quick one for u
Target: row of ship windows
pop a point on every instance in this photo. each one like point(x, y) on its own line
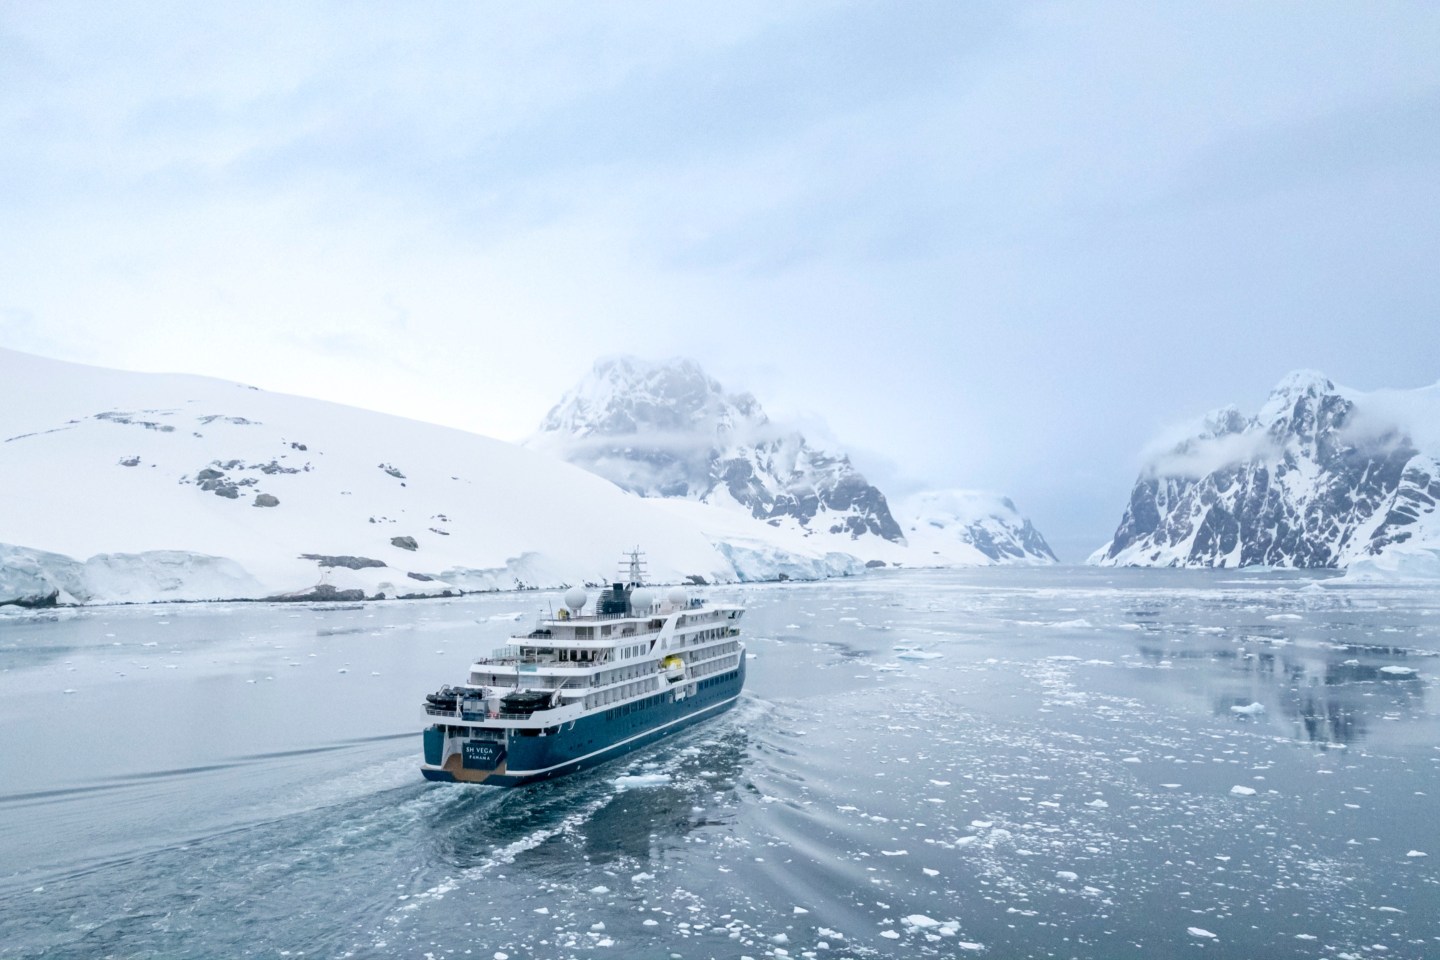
point(620, 693)
point(702, 669)
point(646, 704)
point(724, 677)
point(606, 677)
point(616, 712)
point(704, 635)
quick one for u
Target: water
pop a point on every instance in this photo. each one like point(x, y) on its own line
point(1014, 763)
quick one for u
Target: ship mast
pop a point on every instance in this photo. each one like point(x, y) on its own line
point(635, 561)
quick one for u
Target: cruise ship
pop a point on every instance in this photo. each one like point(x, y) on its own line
point(585, 687)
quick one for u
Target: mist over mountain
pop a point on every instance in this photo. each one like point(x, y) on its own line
point(668, 430)
point(1322, 476)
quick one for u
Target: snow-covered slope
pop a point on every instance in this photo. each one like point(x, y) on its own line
point(1322, 476)
point(124, 486)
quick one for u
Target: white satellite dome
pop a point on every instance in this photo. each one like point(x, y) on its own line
point(575, 599)
point(677, 596)
point(642, 600)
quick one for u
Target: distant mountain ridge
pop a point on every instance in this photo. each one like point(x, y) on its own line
point(1322, 476)
point(669, 430)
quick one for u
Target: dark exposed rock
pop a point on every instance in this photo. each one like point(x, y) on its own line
point(238, 421)
point(348, 562)
point(222, 489)
point(393, 471)
point(298, 446)
point(130, 462)
point(115, 416)
point(35, 602)
point(404, 543)
point(266, 500)
point(322, 591)
point(696, 580)
point(209, 473)
point(874, 564)
point(274, 467)
point(422, 577)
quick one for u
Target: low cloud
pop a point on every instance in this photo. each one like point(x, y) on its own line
point(1202, 456)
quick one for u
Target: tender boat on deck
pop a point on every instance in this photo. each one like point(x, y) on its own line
point(581, 688)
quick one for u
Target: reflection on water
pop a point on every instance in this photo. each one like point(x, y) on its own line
point(1328, 693)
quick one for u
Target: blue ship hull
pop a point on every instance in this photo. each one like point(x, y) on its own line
point(591, 740)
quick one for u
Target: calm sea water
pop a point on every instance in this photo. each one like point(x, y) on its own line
point(1008, 763)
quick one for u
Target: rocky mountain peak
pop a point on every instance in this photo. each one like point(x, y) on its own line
point(1320, 476)
point(667, 429)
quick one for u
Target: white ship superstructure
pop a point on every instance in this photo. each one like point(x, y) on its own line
point(583, 687)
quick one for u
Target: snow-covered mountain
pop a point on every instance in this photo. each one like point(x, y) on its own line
point(1322, 476)
point(123, 486)
point(943, 521)
point(668, 430)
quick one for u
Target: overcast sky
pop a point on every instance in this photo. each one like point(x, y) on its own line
point(985, 245)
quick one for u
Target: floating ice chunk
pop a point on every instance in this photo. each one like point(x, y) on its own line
point(889, 934)
point(1398, 671)
point(1249, 710)
point(641, 877)
point(929, 873)
point(68, 690)
point(1240, 791)
point(1171, 786)
point(919, 655)
point(971, 946)
point(1284, 616)
point(894, 853)
point(797, 911)
point(1200, 932)
point(600, 889)
point(920, 920)
point(1417, 853)
point(501, 955)
point(599, 925)
point(1131, 760)
point(650, 923)
point(941, 783)
point(982, 824)
point(1066, 875)
point(1098, 804)
point(542, 910)
point(639, 780)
